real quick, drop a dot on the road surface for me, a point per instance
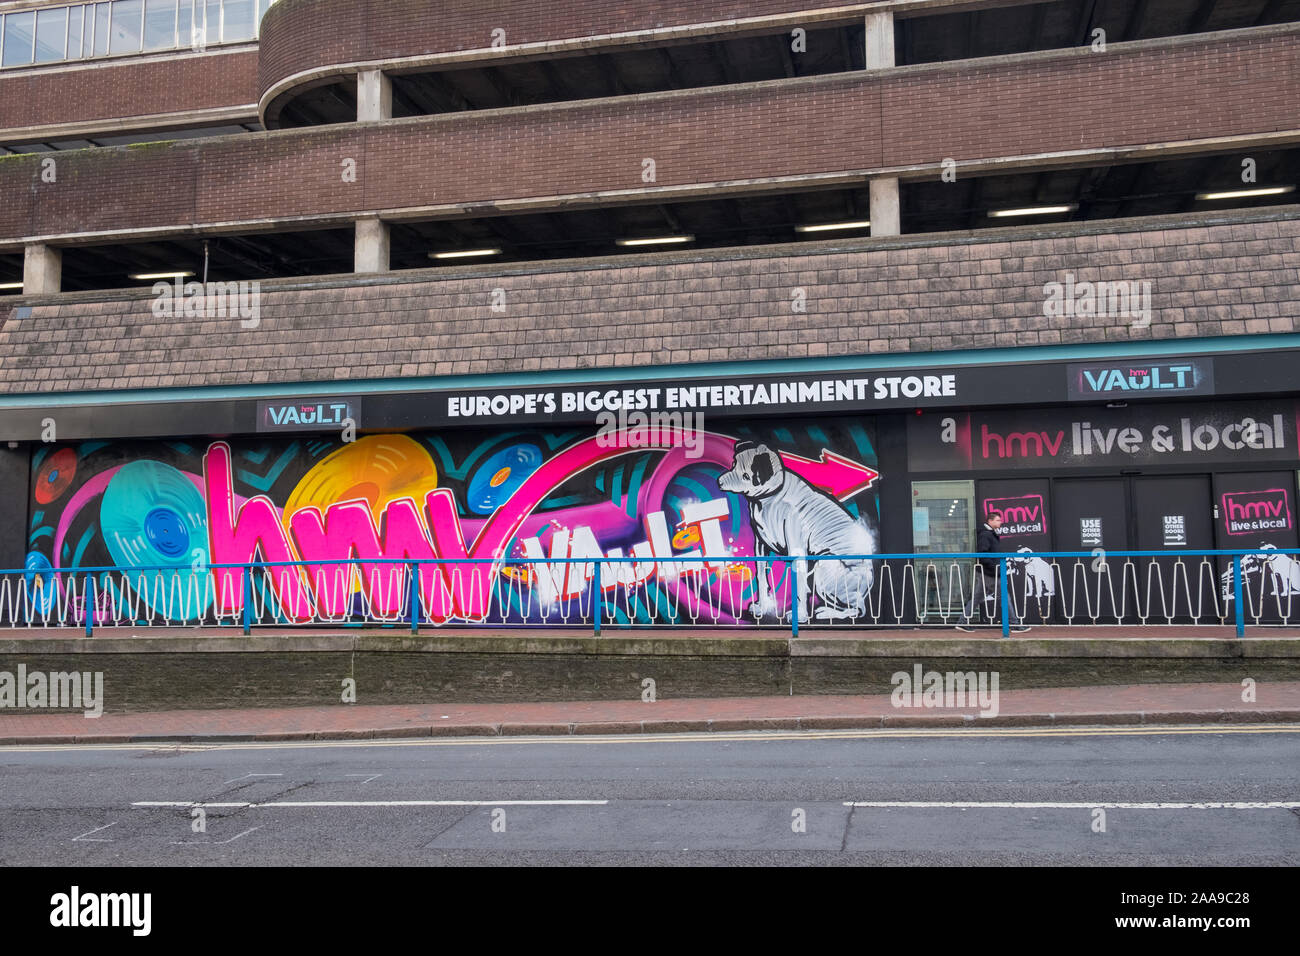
(1195, 795)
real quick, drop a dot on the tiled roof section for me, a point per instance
(874, 296)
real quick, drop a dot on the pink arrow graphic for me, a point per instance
(842, 477)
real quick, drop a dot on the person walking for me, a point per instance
(988, 543)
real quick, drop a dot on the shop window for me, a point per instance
(943, 522)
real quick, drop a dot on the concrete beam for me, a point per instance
(373, 246)
(374, 96)
(886, 219)
(880, 40)
(42, 270)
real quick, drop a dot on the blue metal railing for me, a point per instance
(678, 590)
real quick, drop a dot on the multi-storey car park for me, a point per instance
(321, 280)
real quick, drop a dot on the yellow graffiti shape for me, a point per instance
(377, 468)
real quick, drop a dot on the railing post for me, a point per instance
(597, 601)
(1003, 573)
(89, 603)
(247, 575)
(1237, 595)
(415, 598)
(794, 599)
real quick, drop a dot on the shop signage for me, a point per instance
(1123, 380)
(307, 416)
(1020, 516)
(1250, 512)
(1223, 432)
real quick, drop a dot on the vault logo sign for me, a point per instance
(316, 415)
(1249, 512)
(1141, 379)
(1022, 515)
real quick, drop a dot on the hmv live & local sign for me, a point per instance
(1103, 437)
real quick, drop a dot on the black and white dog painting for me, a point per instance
(792, 517)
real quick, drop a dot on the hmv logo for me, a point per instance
(1248, 512)
(1020, 444)
(1022, 515)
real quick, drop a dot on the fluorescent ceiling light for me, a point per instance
(11, 285)
(1247, 193)
(465, 254)
(660, 241)
(150, 276)
(1031, 211)
(834, 226)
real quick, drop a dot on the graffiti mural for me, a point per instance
(538, 510)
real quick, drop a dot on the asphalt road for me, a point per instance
(1007, 797)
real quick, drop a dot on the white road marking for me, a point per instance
(375, 776)
(305, 804)
(210, 843)
(1029, 805)
(82, 838)
(247, 775)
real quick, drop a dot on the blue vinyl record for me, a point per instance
(501, 476)
(153, 517)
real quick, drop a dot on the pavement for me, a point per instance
(1133, 704)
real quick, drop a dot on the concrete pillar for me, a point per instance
(885, 217)
(373, 246)
(374, 96)
(880, 40)
(42, 270)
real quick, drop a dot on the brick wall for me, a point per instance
(113, 91)
(1242, 83)
(302, 35)
(1208, 278)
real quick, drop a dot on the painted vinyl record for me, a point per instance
(55, 476)
(377, 469)
(39, 584)
(152, 516)
(501, 476)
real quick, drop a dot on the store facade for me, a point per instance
(643, 481)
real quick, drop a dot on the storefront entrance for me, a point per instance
(1100, 517)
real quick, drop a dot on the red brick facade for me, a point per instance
(1244, 83)
(301, 35)
(113, 93)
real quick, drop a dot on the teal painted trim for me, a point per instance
(1005, 356)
